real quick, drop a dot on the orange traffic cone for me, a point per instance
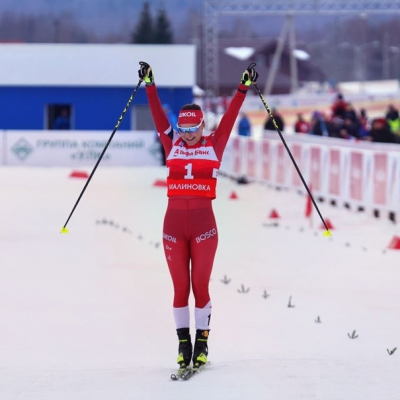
(233, 196)
(274, 214)
(328, 224)
(395, 243)
(79, 174)
(160, 182)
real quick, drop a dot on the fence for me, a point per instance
(358, 174)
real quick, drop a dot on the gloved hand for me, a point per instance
(249, 76)
(146, 73)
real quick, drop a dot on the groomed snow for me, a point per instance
(88, 315)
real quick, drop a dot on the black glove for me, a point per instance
(250, 75)
(146, 73)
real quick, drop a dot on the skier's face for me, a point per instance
(191, 134)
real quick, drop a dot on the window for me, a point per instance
(59, 116)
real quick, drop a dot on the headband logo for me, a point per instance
(187, 114)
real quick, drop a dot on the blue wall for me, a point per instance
(93, 108)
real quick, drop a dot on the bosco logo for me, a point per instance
(206, 235)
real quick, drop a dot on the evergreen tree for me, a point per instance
(162, 31)
(144, 32)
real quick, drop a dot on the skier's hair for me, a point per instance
(191, 106)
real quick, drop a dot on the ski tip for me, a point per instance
(64, 230)
(327, 233)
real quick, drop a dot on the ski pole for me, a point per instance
(64, 228)
(327, 232)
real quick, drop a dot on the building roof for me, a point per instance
(102, 65)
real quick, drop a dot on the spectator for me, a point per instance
(350, 112)
(269, 125)
(244, 126)
(62, 121)
(363, 119)
(380, 132)
(301, 125)
(349, 129)
(393, 119)
(339, 106)
(318, 125)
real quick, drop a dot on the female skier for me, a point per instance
(190, 235)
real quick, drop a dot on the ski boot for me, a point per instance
(200, 348)
(185, 348)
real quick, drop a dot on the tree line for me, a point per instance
(64, 29)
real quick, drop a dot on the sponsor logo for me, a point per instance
(187, 153)
(168, 248)
(169, 238)
(187, 114)
(206, 235)
(22, 149)
(189, 186)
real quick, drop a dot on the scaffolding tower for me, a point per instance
(213, 9)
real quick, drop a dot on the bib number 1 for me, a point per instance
(189, 175)
(189, 171)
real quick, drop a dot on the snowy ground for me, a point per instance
(88, 315)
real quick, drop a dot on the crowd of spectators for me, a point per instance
(346, 123)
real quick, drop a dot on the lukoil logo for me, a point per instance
(169, 238)
(187, 114)
(207, 235)
(22, 149)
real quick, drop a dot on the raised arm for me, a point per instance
(221, 135)
(163, 127)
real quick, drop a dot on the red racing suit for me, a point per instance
(190, 233)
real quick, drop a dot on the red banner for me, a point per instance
(315, 168)
(266, 160)
(297, 155)
(280, 165)
(334, 172)
(251, 158)
(380, 178)
(356, 176)
(236, 156)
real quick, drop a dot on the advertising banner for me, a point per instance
(266, 161)
(357, 176)
(355, 173)
(251, 159)
(315, 168)
(281, 166)
(394, 184)
(380, 182)
(80, 148)
(335, 172)
(236, 156)
(297, 152)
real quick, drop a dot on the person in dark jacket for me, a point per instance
(380, 132)
(339, 106)
(269, 124)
